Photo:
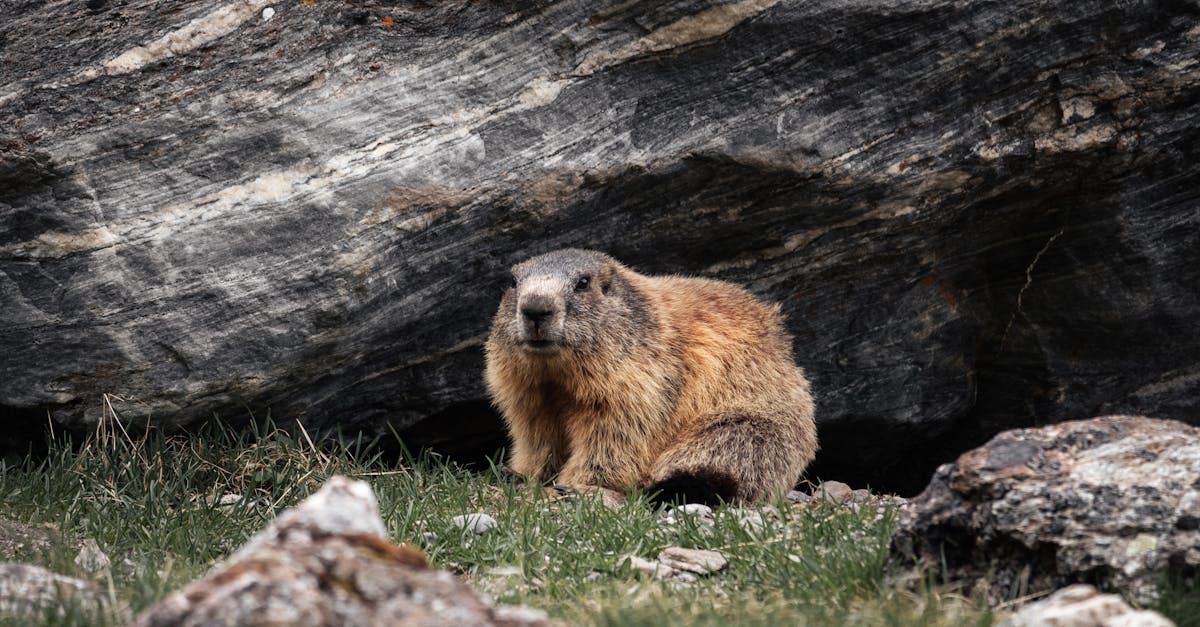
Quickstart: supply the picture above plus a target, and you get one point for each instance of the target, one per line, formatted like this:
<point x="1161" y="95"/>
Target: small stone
<point x="478" y="522"/>
<point x="695" y="509"/>
<point x="860" y="496"/>
<point x="697" y="512"/>
<point x="504" y="571"/>
<point x="834" y="492"/>
<point x="429" y="538"/>
<point x="699" y="561"/>
<point x="1082" y="605"/>
<point x="518" y="615"/>
<point x="751" y="520"/>
<point x="645" y="566"/>
<point x="268" y="13"/>
<point x="797" y="496"/>
<point x="90" y="558"/>
<point x="593" y="576"/>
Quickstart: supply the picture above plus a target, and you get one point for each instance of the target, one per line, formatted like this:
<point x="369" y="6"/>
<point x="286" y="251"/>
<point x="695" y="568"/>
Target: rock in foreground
<point x="326" y="562"/>
<point x="1082" y="605"/>
<point x="1113" y="501"/>
<point x="28" y="591"/>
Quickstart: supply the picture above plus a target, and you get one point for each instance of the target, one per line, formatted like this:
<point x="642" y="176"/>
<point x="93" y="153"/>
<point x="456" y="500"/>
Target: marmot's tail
<point x="710" y="487"/>
<point x="734" y="456"/>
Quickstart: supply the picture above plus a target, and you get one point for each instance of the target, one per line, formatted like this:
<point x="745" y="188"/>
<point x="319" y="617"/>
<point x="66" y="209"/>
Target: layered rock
<point x="1112" y="501"/>
<point x="974" y="216"/>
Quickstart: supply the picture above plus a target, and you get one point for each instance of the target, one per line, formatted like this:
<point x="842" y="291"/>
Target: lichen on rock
<point x="1113" y="501"/>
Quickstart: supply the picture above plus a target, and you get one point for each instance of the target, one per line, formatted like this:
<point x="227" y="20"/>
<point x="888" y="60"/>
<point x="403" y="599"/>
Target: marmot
<point x="684" y="387"/>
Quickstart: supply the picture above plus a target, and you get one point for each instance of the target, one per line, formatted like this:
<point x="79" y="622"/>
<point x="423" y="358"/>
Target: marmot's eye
<point x="583" y="284"/>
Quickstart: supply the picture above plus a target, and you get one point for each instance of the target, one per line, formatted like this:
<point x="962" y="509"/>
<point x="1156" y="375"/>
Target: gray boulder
<point x="1112" y="501"/>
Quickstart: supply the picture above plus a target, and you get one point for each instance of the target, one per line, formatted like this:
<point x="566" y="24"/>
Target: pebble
<point x="429" y="538"/>
<point x="696" y="509"/>
<point x="519" y="615"/>
<point x="751" y="521"/>
<point x="268" y="13"/>
<point x="478" y="522"/>
<point x="504" y="571"/>
<point x="645" y="566"/>
<point x="797" y="496"/>
<point x="677" y="564"/>
<point x="699" y="561"/>
<point x="91" y="558"/>
<point x="834" y="492"/>
<point x="699" y="513"/>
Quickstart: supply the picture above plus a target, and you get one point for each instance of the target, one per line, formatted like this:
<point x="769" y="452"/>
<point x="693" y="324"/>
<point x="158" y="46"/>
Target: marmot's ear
<point x="608" y="279"/>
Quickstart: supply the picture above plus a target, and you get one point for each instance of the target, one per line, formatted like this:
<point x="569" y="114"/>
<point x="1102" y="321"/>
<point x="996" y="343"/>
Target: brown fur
<point x="684" y="385"/>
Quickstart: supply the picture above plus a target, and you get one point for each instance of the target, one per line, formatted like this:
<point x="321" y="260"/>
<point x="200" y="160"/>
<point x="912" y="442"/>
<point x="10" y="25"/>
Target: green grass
<point x="152" y="505"/>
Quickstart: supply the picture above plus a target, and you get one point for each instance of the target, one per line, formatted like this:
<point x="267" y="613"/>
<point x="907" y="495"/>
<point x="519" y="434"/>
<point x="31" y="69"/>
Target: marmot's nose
<point x="537" y="311"/>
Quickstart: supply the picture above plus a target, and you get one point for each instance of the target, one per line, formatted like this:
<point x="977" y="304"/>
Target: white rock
<point x="699" y="561"/>
<point x="835" y="492"/>
<point x="695" y="509"/>
<point x="750" y="520"/>
<point x="1082" y="605"/>
<point x="478" y="522"/>
<point x="91" y="558"/>
<point x="268" y="13"/>
<point x="341" y="506"/>
<point x="797" y="496"/>
<point x="520" y="615"/>
<point x="648" y="567"/>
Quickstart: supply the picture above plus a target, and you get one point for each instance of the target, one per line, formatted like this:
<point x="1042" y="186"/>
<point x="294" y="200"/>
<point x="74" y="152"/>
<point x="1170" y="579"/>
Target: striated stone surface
<point x="28" y="591"/>
<point x="1082" y="605"/>
<point x="326" y="562"/>
<point x="1113" y="501"/>
<point x="975" y="216"/>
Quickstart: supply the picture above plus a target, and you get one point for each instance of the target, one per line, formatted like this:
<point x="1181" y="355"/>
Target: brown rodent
<point x="684" y="387"/>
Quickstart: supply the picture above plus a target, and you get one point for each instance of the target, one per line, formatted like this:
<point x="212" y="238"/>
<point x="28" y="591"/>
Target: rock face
<point x="975" y="217"/>
<point x="326" y="562"/>
<point x="1112" y="501"/>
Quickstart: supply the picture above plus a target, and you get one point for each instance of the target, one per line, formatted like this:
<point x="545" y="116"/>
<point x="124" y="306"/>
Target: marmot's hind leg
<point x="729" y="457"/>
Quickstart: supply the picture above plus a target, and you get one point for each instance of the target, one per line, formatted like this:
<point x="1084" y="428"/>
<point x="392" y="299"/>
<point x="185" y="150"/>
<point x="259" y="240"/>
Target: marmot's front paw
<point x="611" y="498"/>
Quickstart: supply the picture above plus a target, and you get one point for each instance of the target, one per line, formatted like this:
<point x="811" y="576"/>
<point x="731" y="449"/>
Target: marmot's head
<point x="570" y="299"/>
